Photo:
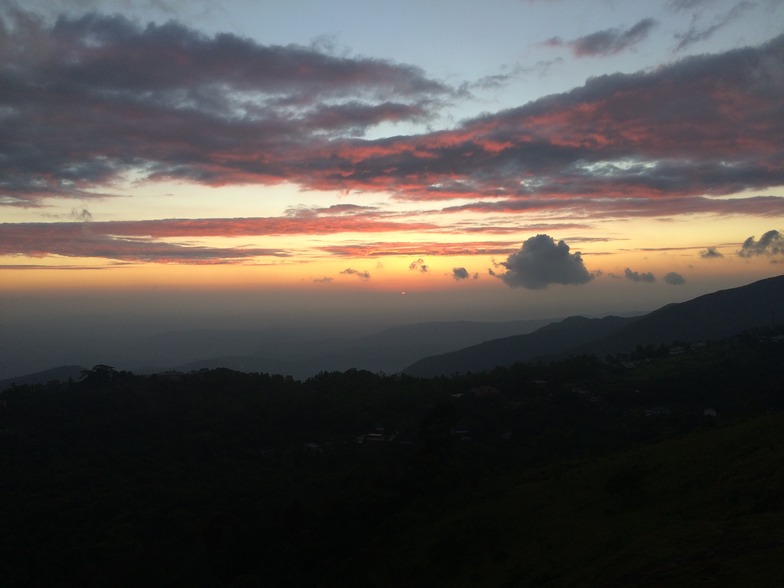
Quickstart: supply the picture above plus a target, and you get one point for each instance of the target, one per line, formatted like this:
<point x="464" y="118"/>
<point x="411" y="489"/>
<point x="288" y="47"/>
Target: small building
<point x="377" y="435"/>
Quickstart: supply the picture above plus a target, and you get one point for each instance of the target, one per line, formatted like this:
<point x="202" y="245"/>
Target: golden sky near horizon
<point x="514" y="153"/>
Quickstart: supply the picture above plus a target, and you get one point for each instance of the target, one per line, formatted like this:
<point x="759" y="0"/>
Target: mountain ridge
<point x="711" y="316"/>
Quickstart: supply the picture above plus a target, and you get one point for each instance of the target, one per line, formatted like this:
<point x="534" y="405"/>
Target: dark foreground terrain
<point x="659" y="467"/>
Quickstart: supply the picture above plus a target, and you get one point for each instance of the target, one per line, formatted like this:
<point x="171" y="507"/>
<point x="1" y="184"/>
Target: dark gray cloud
<point x="166" y="102"/>
<point x="541" y="262"/>
<point x="352" y="272"/>
<point x="695" y="34"/>
<point x="461" y="273"/>
<point x="639" y="277"/>
<point x="674" y="279"/>
<point x="111" y="97"/>
<point x="609" y="41"/>
<point x="771" y="243"/>
<point x="638" y="141"/>
<point x="711" y="253"/>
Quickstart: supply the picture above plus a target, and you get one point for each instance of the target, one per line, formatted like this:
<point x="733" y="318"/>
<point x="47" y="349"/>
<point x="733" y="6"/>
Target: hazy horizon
<point x="347" y="166"/>
<point x="129" y="331"/>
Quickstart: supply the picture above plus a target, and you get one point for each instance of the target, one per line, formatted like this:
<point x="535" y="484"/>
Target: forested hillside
<point x="660" y="466"/>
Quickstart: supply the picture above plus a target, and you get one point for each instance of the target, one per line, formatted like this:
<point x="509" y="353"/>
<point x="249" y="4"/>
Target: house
<point x="377" y="435"/>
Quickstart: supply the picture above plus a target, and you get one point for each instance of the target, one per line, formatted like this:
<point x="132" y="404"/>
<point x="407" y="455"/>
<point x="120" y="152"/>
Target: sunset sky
<point x="409" y="160"/>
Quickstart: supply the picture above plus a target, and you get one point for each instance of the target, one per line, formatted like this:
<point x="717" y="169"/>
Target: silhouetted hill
<point x="572" y="473"/>
<point x="61" y="374"/>
<point x="553" y="339"/>
<point x="712" y="316"/>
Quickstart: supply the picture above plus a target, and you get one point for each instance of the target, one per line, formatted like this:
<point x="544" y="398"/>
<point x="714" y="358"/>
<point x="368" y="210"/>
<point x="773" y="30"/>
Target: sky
<point x="347" y="161"/>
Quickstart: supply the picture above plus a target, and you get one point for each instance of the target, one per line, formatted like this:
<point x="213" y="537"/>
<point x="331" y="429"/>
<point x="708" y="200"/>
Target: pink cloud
<point x="111" y="97"/>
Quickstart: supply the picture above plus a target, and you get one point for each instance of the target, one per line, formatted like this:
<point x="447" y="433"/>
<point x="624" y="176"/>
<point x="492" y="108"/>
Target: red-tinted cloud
<point x="110" y="96"/>
<point x="420" y="249"/>
<point x="146" y="241"/>
<point x="168" y="102"/>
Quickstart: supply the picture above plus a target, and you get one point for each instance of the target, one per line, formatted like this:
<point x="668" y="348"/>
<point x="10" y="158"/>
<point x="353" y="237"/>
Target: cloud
<point x="576" y="207"/>
<point x="152" y="241"/>
<point x="113" y="97"/>
<point x="679" y="136"/>
<point x="83" y="215"/>
<point x="38" y="267"/>
<point x="681" y="5"/>
<point x="674" y="279"/>
<point x="461" y="273"/>
<point x="427" y="248"/>
<point x="695" y="34"/>
<point x="419" y="263"/>
<point x="352" y="272"/>
<point x="138" y="242"/>
<point x="324" y="280"/>
<point x="711" y="253"/>
<point x="541" y="262"/>
<point x="166" y="102"/>
<point x="510" y="74"/>
<point x="639" y="277"/>
<point x="607" y="42"/>
<point x="771" y="243"/>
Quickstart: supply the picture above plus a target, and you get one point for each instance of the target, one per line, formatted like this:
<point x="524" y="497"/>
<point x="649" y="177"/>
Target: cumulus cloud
<point x="541" y="262"/>
<point x="771" y="243"/>
<point x="711" y="253"/>
<point x="352" y="272"/>
<point x="607" y="42"/>
<point x="639" y="277"/>
<point x="461" y="273"/>
<point x="674" y="279"/>
<point x="419" y="263"/>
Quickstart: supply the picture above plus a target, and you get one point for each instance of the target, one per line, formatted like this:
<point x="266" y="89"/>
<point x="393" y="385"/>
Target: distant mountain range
<point x="712" y="316"/>
<point x="290" y="352"/>
<point x="432" y="348"/>
<point x="287" y="351"/>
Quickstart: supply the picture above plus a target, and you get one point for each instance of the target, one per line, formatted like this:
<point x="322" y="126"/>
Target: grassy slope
<point x="704" y="509"/>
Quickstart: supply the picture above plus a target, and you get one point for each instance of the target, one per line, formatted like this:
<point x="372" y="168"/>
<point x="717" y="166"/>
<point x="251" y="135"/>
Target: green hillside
<point x="657" y="467"/>
<point x="701" y="510"/>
